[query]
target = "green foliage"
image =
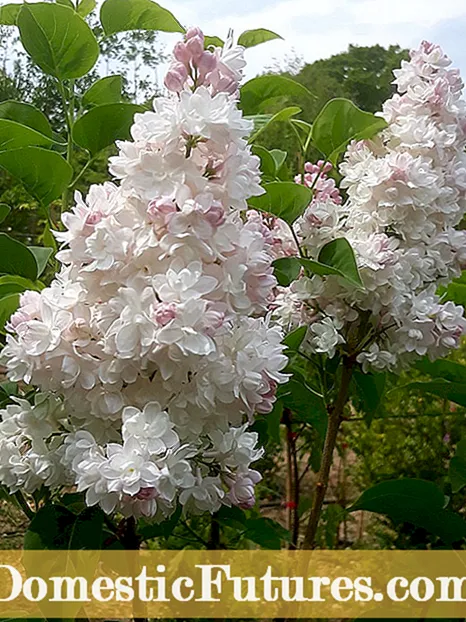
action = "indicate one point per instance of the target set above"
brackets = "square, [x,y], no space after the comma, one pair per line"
[9,14]
[414,501]
[370,388]
[107,90]
[339,255]
[335,258]
[457,470]
[14,136]
[264,121]
[32,166]
[286,270]
[340,122]
[103,125]
[251,38]
[452,391]
[120,15]
[58,40]
[363,75]
[258,93]
[26,115]
[306,404]
[4,211]
[284,199]
[56,527]
[16,258]
[8,305]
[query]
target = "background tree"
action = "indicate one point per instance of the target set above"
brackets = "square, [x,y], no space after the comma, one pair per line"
[363,74]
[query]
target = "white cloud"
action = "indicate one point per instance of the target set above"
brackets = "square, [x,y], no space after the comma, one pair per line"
[319,29]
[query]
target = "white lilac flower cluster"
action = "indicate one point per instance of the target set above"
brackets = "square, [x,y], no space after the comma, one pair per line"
[406,195]
[152,348]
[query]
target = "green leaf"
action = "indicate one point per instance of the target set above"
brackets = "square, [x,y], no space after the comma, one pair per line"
[58,40]
[452,391]
[250,38]
[4,211]
[443,368]
[321,269]
[42,255]
[266,532]
[286,270]
[87,529]
[294,339]
[9,14]
[7,389]
[48,239]
[414,501]
[13,135]
[148,530]
[306,404]
[33,167]
[55,527]
[457,470]
[335,258]
[268,166]
[303,127]
[371,389]
[273,420]
[85,7]
[26,115]
[66,3]
[338,123]
[284,199]
[16,258]
[268,120]
[21,281]
[279,156]
[50,529]
[103,125]
[8,305]
[232,517]
[258,92]
[11,288]
[339,255]
[456,292]
[104,91]
[215,41]
[121,15]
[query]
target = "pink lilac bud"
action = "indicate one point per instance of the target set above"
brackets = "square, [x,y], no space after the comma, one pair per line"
[241,491]
[194,31]
[215,215]
[147,494]
[207,63]
[195,46]
[19,317]
[176,77]
[93,218]
[164,313]
[29,309]
[160,211]
[181,53]
[325,167]
[214,319]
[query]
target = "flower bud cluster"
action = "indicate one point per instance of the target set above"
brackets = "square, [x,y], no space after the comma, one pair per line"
[220,68]
[406,195]
[152,347]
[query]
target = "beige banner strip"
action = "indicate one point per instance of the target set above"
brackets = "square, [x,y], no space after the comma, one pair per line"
[233,584]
